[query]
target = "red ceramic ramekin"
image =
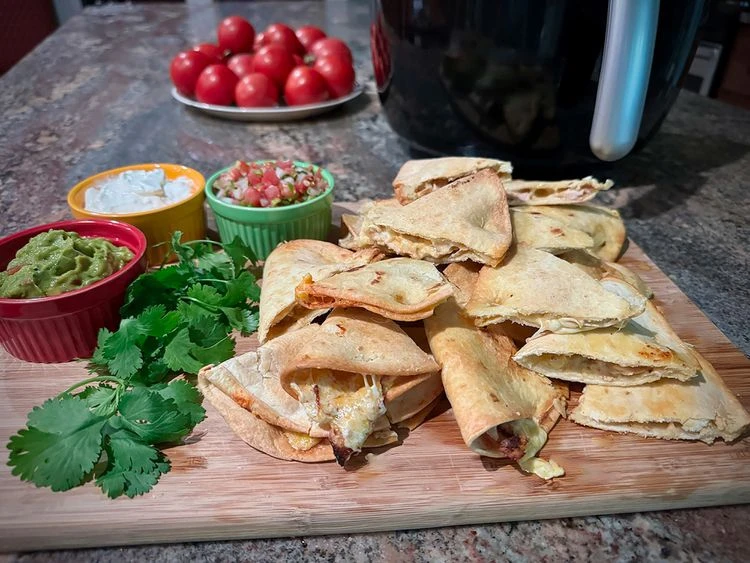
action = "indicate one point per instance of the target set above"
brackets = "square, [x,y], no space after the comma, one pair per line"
[64,327]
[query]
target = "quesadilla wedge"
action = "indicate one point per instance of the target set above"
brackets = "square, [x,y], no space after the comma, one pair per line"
[337,373]
[417,178]
[546,233]
[602,224]
[402,289]
[702,408]
[535,288]
[285,267]
[645,349]
[502,409]
[353,238]
[598,269]
[533,192]
[259,434]
[466,220]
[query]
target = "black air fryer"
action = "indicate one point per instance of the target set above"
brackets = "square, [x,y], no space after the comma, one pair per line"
[547,84]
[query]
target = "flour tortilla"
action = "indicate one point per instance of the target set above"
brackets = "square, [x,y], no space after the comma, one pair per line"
[598,269]
[646,349]
[502,409]
[463,276]
[259,434]
[285,267]
[703,408]
[535,288]
[602,224]
[466,220]
[402,289]
[417,178]
[353,238]
[405,397]
[546,233]
[533,192]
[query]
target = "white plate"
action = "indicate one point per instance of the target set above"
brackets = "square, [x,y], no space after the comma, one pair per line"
[281,113]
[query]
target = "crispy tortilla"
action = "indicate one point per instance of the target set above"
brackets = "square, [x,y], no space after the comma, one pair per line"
[602,224]
[535,288]
[406,396]
[417,178]
[259,434]
[502,409]
[466,220]
[646,349]
[702,408]
[564,192]
[598,269]
[284,269]
[546,233]
[353,238]
[402,289]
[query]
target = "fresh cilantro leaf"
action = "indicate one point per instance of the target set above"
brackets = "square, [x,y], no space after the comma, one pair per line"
[155,320]
[133,467]
[241,289]
[60,446]
[160,287]
[155,419]
[241,320]
[197,315]
[98,358]
[184,252]
[222,350]
[209,334]
[240,253]
[177,353]
[102,400]
[206,294]
[218,264]
[187,397]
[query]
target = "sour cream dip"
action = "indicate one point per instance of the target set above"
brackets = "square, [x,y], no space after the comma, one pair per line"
[137,190]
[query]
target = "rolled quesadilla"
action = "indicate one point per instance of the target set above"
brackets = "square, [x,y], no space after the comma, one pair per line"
[602,224]
[535,288]
[533,192]
[285,267]
[598,269]
[402,289]
[466,220]
[546,233]
[337,374]
[417,178]
[502,409]
[702,408]
[645,349]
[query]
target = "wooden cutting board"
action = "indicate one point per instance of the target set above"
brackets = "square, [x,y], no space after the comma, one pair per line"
[220,488]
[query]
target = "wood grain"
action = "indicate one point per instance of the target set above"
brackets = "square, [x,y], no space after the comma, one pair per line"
[219,488]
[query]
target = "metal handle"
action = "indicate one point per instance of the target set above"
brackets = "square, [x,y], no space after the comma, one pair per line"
[623,81]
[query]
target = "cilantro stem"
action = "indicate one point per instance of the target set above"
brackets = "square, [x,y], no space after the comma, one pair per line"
[90,380]
[206,306]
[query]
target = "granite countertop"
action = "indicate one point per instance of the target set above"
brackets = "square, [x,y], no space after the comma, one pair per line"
[95,95]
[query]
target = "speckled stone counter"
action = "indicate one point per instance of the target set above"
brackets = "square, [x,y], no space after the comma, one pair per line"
[95,95]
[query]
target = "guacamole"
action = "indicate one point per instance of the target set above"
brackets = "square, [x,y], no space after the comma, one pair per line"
[57,261]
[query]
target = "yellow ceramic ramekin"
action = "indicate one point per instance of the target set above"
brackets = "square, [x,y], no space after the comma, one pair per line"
[158,225]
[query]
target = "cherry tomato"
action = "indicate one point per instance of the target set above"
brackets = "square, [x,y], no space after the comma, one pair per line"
[298,60]
[278,33]
[213,51]
[256,90]
[258,43]
[338,74]
[216,85]
[331,46]
[275,62]
[236,34]
[241,64]
[309,34]
[185,69]
[305,86]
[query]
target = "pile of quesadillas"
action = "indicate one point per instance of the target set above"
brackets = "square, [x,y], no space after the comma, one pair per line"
[495,291]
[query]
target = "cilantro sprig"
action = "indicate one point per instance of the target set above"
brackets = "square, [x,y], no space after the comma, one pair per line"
[109,427]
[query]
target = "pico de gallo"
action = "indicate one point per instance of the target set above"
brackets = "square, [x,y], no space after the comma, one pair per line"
[269,184]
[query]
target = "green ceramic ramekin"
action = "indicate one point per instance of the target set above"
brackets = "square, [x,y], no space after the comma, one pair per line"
[263,228]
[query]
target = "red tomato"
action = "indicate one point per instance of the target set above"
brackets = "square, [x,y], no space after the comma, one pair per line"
[236,34]
[256,90]
[258,43]
[298,60]
[216,85]
[185,69]
[241,64]
[275,62]
[331,46]
[309,34]
[305,86]
[213,51]
[281,34]
[338,74]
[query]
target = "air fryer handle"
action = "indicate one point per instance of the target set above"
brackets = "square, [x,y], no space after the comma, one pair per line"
[623,81]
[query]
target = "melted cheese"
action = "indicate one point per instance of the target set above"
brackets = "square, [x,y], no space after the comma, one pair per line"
[536,437]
